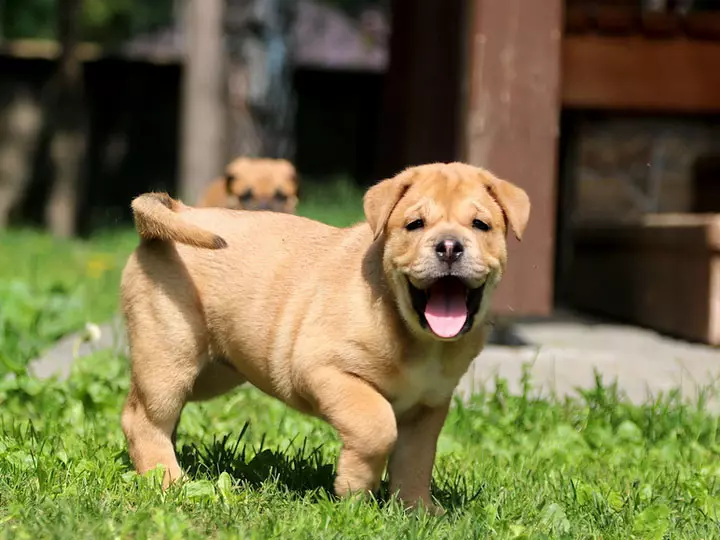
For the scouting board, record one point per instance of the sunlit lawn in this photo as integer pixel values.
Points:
(508, 466)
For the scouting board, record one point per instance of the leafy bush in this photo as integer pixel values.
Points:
(103, 21)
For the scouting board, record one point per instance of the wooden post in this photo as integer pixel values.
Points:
(66, 120)
(512, 126)
(203, 109)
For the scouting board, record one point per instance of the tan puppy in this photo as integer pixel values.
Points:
(255, 184)
(369, 327)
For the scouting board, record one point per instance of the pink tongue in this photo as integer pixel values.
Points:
(445, 311)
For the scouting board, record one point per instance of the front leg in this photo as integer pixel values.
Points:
(411, 463)
(365, 421)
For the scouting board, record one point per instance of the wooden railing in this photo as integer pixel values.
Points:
(642, 55)
(699, 19)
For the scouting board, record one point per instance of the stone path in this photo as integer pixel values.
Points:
(57, 361)
(563, 353)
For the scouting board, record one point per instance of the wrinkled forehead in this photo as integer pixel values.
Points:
(257, 167)
(438, 197)
(263, 179)
(283, 167)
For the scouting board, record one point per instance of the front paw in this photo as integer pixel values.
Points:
(434, 509)
(426, 504)
(348, 486)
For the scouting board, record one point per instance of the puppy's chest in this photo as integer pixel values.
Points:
(422, 382)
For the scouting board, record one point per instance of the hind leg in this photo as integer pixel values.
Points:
(168, 351)
(148, 426)
(162, 384)
(152, 412)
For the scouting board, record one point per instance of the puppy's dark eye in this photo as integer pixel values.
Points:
(280, 196)
(229, 179)
(480, 225)
(415, 225)
(246, 196)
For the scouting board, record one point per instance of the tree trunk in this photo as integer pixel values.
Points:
(67, 121)
(203, 110)
(261, 103)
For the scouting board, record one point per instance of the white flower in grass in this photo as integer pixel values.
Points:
(91, 334)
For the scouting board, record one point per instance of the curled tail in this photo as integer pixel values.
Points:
(159, 217)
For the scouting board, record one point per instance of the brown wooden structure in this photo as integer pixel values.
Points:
(495, 96)
(635, 73)
(479, 81)
(511, 127)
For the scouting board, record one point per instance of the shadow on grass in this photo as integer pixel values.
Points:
(299, 470)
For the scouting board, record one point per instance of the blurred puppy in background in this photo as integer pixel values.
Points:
(255, 184)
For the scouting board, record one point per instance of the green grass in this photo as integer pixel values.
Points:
(337, 202)
(49, 288)
(508, 466)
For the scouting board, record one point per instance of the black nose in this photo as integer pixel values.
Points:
(449, 250)
(261, 204)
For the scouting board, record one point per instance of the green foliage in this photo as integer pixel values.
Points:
(508, 467)
(334, 201)
(354, 6)
(28, 18)
(49, 288)
(108, 21)
(104, 21)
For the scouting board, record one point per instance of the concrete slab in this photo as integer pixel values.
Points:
(563, 353)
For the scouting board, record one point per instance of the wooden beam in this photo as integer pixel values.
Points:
(511, 128)
(640, 74)
(47, 49)
(44, 49)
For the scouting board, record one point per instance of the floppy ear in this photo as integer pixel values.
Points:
(513, 200)
(381, 199)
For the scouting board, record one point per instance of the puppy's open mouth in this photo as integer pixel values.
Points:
(447, 307)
